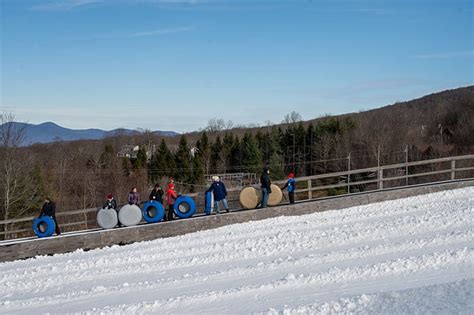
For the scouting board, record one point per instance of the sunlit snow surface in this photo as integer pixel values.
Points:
(413, 255)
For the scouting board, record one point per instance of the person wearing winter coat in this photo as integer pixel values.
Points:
(291, 186)
(110, 203)
(218, 190)
(266, 186)
(49, 209)
(133, 197)
(157, 194)
(171, 196)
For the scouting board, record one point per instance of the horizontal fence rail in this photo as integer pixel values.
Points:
(308, 188)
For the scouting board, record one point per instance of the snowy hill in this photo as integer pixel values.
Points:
(404, 256)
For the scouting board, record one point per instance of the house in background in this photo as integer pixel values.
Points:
(129, 151)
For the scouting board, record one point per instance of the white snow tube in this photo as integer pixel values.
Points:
(130, 215)
(276, 196)
(250, 197)
(107, 218)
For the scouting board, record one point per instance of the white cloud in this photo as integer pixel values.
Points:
(447, 55)
(161, 31)
(64, 5)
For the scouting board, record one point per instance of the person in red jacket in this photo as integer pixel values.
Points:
(171, 194)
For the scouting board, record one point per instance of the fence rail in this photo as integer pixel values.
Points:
(367, 179)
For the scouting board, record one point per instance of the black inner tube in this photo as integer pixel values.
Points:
(151, 212)
(42, 227)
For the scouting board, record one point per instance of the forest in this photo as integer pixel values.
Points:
(79, 174)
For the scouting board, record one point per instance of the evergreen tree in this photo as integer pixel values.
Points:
(161, 163)
(251, 155)
(276, 157)
(140, 161)
(216, 154)
(204, 151)
(227, 146)
(236, 156)
(182, 158)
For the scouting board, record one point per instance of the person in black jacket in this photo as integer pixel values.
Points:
(49, 209)
(266, 186)
(157, 194)
(111, 203)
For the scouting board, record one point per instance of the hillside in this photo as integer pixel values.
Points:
(78, 174)
(413, 255)
(50, 132)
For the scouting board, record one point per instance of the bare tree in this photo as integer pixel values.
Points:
(218, 124)
(17, 190)
(292, 118)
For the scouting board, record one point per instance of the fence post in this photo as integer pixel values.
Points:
(406, 165)
(380, 179)
(310, 192)
(453, 169)
(348, 173)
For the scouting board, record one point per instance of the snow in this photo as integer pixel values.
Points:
(413, 255)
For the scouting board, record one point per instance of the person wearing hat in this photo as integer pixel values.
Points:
(266, 186)
(111, 203)
(157, 194)
(218, 190)
(171, 196)
(291, 185)
(49, 209)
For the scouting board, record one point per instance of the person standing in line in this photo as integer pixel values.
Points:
(291, 185)
(171, 196)
(220, 193)
(157, 194)
(133, 197)
(266, 186)
(49, 209)
(111, 203)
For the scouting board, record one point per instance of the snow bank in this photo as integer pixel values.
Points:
(402, 256)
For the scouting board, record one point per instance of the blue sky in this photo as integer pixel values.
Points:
(173, 65)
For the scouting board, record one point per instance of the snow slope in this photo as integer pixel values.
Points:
(413, 255)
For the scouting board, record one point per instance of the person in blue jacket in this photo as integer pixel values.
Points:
(220, 193)
(291, 186)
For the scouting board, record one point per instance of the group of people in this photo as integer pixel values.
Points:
(266, 186)
(155, 195)
(217, 188)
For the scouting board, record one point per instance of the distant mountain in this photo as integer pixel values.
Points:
(50, 132)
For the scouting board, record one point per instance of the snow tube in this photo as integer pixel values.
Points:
(153, 211)
(130, 215)
(44, 226)
(107, 218)
(276, 196)
(250, 197)
(208, 203)
(184, 207)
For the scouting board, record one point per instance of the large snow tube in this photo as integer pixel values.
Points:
(130, 215)
(107, 218)
(250, 197)
(44, 226)
(276, 196)
(153, 211)
(185, 207)
(208, 203)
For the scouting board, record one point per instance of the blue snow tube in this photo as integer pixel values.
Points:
(184, 207)
(44, 226)
(153, 211)
(208, 203)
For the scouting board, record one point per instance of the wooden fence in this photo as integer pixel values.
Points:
(308, 188)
